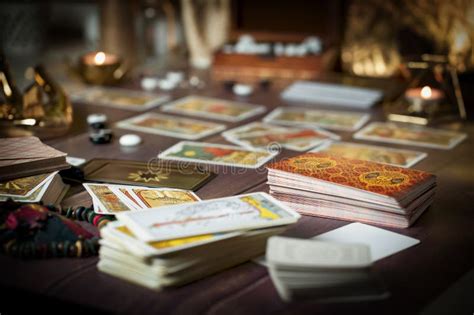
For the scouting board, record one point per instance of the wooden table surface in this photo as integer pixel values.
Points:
(414, 277)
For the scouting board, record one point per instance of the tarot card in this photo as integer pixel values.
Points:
(397, 157)
(106, 200)
(217, 154)
(252, 128)
(151, 174)
(237, 213)
(213, 108)
(122, 235)
(335, 120)
(126, 196)
(119, 98)
(171, 126)
(411, 135)
(34, 196)
(293, 138)
(25, 186)
(146, 198)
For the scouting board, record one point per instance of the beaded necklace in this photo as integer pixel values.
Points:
(36, 231)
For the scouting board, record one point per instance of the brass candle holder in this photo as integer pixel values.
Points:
(101, 68)
(43, 109)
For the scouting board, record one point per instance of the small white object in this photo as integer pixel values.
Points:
(313, 44)
(175, 76)
(96, 118)
(75, 161)
(301, 50)
(242, 89)
(130, 140)
(166, 84)
(247, 39)
(149, 84)
(279, 49)
(290, 50)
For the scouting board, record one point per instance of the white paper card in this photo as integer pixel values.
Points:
(382, 243)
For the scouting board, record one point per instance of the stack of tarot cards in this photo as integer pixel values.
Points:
(321, 270)
(26, 156)
(174, 245)
(330, 186)
(47, 188)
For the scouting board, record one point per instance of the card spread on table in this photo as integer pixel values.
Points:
(397, 157)
(119, 98)
(260, 135)
(170, 126)
(410, 135)
(112, 199)
(382, 243)
(217, 154)
(149, 174)
(237, 213)
(335, 120)
(25, 186)
(213, 108)
(391, 181)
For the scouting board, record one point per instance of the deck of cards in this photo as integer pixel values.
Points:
(321, 270)
(47, 188)
(174, 245)
(331, 186)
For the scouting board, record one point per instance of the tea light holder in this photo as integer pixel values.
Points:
(423, 99)
(433, 95)
(101, 68)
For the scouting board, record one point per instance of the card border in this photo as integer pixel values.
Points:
(270, 118)
(331, 137)
(159, 99)
(360, 135)
(177, 146)
(127, 124)
(170, 108)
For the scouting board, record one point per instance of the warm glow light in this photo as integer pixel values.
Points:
(426, 92)
(99, 58)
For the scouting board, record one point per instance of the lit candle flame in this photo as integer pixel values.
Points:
(426, 92)
(99, 58)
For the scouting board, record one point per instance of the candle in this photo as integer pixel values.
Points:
(101, 68)
(422, 97)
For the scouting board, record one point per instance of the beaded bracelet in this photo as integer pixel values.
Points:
(81, 213)
(79, 248)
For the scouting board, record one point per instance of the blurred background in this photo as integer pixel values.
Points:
(251, 40)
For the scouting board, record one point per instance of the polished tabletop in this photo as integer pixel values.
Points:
(414, 277)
